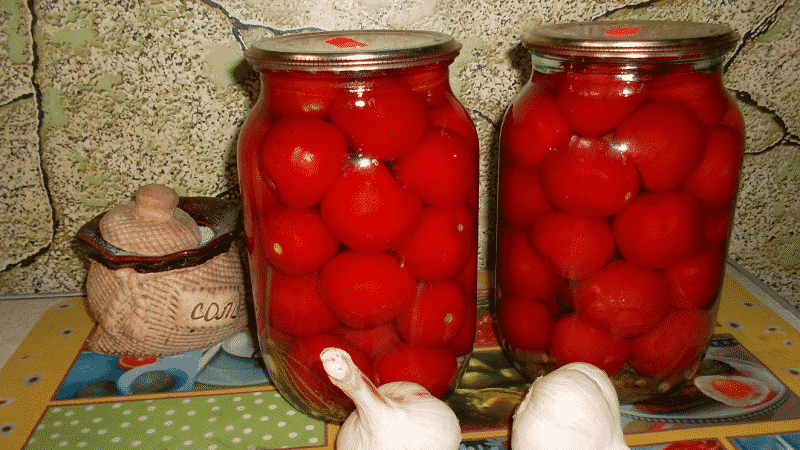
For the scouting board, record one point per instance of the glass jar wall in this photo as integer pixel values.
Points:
(619, 169)
(359, 180)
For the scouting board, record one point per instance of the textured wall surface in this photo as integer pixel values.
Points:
(99, 97)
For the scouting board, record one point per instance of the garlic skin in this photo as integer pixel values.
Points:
(396, 416)
(574, 407)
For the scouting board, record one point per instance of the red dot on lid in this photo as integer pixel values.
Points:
(623, 31)
(343, 42)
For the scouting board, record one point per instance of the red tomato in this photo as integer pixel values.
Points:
(302, 156)
(593, 104)
(306, 375)
(258, 196)
(295, 306)
(297, 92)
(431, 83)
(442, 244)
(368, 210)
(576, 340)
(589, 178)
(531, 127)
(436, 314)
(524, 323)
(623, 298)
(674, 345)
(434, 368)
(574, 246)
(364, 290)
(522, 272)
(702, 92)
(468, 277)
(717, 225)
(665, 141)
(695, 282)
(733, 117)
(715, 180)
(659, 229)
(520, 196)
(297, 242)
(442, 169)
(132, 362)
(700, 444)
(452, 115)
(384, 122)
(463, 342)
(371, 341)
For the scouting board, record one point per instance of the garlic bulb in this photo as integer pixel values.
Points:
(573, 408)
(396, 416)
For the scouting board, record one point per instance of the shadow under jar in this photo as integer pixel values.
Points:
(359, 180)
(619, 169)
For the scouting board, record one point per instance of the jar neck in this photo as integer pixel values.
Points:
(634, 69)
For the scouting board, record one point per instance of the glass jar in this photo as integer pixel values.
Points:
(359, 181)
(619, 170)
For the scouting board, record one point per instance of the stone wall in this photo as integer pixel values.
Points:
(99, 97)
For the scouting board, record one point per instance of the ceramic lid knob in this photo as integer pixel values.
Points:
(153, 225)
(155, 202)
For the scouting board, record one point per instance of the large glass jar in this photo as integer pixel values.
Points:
(359, 180)
(619, 170)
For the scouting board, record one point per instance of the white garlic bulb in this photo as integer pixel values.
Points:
(396, 416)
(573, 408)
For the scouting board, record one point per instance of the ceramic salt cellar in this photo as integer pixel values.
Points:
(164, 276)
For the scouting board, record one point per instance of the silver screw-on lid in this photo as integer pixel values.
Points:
(631, 40)
(352, 50)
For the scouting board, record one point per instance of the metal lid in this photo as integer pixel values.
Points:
(352, 50)
(631, 39)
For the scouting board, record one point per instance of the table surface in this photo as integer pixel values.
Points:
(42, 352)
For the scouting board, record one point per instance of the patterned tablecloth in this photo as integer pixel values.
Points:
(54, 394)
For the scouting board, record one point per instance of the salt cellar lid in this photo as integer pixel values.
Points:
(161, 231)
(152, 225)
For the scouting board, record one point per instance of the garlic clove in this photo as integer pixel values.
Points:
(574, 407)
(399, 415)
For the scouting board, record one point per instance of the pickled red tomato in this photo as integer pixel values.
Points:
(290, 93)
(295, 305)
(574, 339)
(695, 282)
(623, 298)
(435, 315)
(665, 141)
(589, 178)
(716, 225)
(382, 121)
(520, 196)
(368, 210)
(702, 92)
(733, 117)
(469, 274)
(441, 245)
(574, 246)
(297, 241)
(452, 115)
(434, 368)
(524, 323)
(258, 196)
(522, 272)
(306, 374)
(372, 340)
(302, 156)
(463, 341)
(441, 170)
(532, 126)
(594, 104)
(364, 290)
(715, 180)
(658, 230)
(431, 83)
(672, 346)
